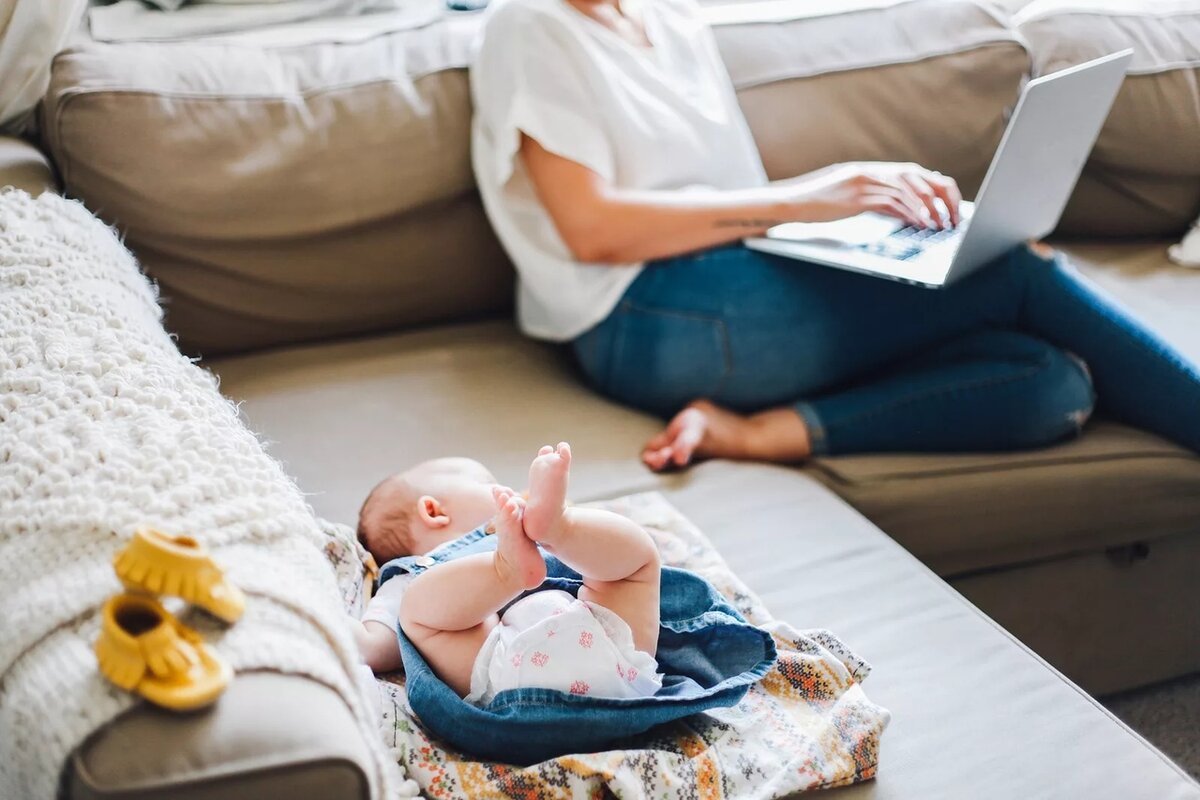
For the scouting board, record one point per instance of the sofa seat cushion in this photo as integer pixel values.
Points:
(295, 191)
(968, 701)
(342, 416)
(1112, 486)
(485, 391)
(1143, 177)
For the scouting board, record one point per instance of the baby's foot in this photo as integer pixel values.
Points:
(548, 476)
(518, 557)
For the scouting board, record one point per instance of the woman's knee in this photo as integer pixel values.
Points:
(1062, 400)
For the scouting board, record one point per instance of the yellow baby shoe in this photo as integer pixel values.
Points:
(144, 649)
(181, 567)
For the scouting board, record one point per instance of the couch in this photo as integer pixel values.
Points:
(307, 211)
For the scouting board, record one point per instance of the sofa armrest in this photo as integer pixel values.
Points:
(270, 735)
(24, 166)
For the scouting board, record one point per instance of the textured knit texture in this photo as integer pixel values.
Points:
(104, 426)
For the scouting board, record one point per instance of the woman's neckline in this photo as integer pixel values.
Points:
(624, 6)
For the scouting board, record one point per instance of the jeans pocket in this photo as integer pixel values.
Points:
(659, 359)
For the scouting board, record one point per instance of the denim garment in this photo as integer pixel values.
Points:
(990, 363)
(708, 654)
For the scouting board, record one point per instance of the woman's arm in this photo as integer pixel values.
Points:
(603, 224)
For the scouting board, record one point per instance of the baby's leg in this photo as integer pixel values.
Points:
(449, 610)
(616, 557)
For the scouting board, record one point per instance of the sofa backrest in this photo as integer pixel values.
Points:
(1143, 177)
(290, 193)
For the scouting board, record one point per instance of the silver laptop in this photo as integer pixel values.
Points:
(1048, 138)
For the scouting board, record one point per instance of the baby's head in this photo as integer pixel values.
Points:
(414, 511)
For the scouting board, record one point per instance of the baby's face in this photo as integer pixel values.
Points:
(462, 485)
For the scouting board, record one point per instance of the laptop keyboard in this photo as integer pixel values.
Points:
(909, 242)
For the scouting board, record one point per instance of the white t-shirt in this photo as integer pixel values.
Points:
(663, 117)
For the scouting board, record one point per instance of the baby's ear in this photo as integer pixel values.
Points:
(431, 512)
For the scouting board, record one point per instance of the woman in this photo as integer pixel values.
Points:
(620, 175)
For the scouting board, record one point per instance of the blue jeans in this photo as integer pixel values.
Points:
(995, 362)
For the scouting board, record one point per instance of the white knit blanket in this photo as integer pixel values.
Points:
(104, 426)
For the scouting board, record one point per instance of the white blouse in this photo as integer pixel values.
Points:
(660, 117)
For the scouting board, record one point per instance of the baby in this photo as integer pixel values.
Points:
(459, 612)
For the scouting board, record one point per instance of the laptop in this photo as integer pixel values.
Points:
(1032, 175)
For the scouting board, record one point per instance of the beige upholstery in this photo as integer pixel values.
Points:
(973, 714)
(960, 513)
(270, 735)
(298, 193)
(856, 85)
(328, 187)
(1143, 177)
(969, 703)
(345, 415)
(23, 166)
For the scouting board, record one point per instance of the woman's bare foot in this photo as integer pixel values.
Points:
(517, 555)
(548, 477)
(704, 430)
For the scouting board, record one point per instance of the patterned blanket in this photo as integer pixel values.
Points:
(807, 725)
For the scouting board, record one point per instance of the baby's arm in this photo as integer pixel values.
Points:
(377, 644)
(376, 634)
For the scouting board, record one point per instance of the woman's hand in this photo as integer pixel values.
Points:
(906, 191)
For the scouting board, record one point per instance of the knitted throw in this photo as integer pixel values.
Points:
(104, 426)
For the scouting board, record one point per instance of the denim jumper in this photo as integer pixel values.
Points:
(708, 654)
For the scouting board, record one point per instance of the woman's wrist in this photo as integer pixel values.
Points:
(755, 219)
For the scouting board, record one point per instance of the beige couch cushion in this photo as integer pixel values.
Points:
(925, 81)
(968, 701)
(282, 194)
(369, 408)
(290, 193)
(1143, 177)
(958, 513)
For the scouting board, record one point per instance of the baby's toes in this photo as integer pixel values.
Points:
(513, 509)
(564, 452)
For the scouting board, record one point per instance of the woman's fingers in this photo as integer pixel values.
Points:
(925, 192)
(947, 189)
(889, 205)
(885, 199)
(903, 193)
